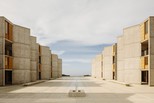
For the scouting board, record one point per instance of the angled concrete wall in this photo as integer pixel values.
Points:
(54, 66)
(107, 63)
(97, 67)
(2, 50)
(120, 59)
(34, 58)
(59, 68)
(151, 51)
(45, 63)
(132, 53)
(21, 53)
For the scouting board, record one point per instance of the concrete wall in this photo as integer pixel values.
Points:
(151, 51)
(54, 66)
(120, 59)
(59, 67)
(45, 63)
(21, 53)
(107, 63)
(132, 53)
(97, 67)
(34, 58)
(2, 50)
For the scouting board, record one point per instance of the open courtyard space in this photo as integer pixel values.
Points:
(97, 91)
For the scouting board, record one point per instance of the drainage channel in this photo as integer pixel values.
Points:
(76, 92)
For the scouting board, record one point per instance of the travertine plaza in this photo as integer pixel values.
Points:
(131, 59)
(22, 59)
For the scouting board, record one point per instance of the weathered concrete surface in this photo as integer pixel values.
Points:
(59, 68)
(45, 63)
(34, 58)
(21, 54)
(54, 65)
(132, 53)
(97, 91)
(151, 51)
(120, 61)
(107, 63)
(97, 66)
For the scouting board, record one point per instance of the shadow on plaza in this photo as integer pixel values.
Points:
(60, 97)
(68, 84)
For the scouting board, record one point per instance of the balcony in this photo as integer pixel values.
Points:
(144, 62)
(144, 31)
(8, 31)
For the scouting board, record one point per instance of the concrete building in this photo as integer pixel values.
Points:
(6, 56)
(22, 59)
(114, 61)
(97, 66)
(34, 58)
(107, 63)
(59, 68)
(147, 51)
(21, 55)
(54, 62)
(129, 55)
(45, 63)
(135, 55)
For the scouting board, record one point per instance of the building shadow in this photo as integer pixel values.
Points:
(64, 98)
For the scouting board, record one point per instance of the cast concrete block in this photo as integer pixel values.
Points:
(33, 76)
(20, 76)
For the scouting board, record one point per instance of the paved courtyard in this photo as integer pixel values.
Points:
(97, 91)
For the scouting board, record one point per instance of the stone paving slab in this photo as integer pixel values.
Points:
(97, 91)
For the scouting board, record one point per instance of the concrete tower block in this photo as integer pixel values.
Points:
(34, 58)
(54, 66)
(59, 67)
(132, 53)
(21, 53)
(45, 62)
(120, 59)
(107, 63)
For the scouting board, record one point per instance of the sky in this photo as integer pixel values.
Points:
(76, 30)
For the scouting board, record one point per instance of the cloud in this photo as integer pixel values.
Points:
(76, 29)
(76, 56)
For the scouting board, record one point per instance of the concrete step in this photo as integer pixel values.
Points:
(33, 83)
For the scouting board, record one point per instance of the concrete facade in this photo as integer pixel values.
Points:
(54, 62)
(22, 60)
(132, 53)
(135, 55)
(34, 58)
(59, 68)
(21, 55)
(107, 63)
(45, 63)
(97, 66)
